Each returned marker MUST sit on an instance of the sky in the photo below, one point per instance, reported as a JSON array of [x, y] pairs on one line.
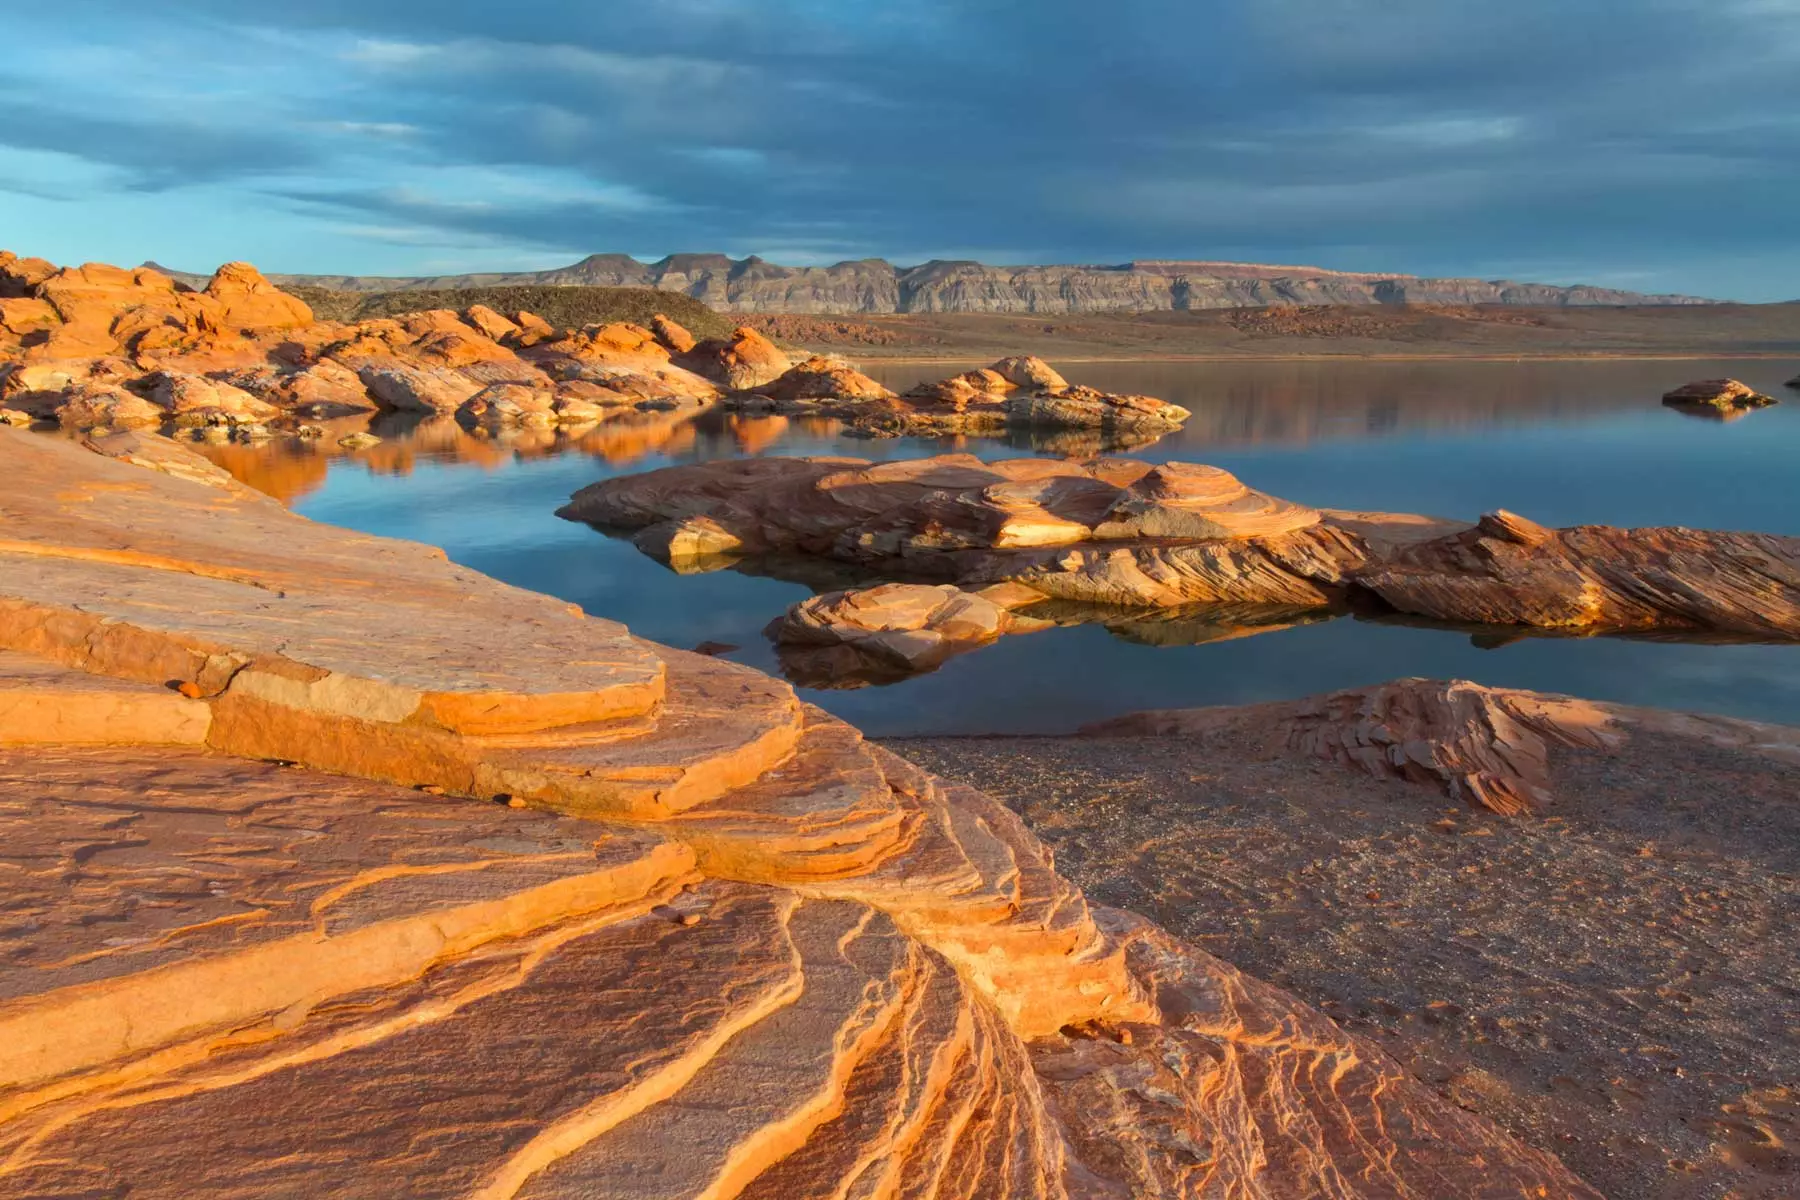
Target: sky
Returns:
[[1652, 145]]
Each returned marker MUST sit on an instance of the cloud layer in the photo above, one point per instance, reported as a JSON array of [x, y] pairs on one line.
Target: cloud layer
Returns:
[[1640, 143]]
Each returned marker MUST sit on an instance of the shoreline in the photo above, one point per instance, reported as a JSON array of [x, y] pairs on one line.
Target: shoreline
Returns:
[[1735, 356]]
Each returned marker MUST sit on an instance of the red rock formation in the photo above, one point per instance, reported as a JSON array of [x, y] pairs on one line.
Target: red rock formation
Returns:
[[673, 335], [1116, 531], [820, 378], [770, 960], [103, 324], [743, 361]]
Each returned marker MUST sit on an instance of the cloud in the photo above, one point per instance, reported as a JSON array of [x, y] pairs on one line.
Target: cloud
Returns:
[[1641, 138]]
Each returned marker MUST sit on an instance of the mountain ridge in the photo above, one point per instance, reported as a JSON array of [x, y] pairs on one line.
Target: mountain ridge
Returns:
[[873, 285]]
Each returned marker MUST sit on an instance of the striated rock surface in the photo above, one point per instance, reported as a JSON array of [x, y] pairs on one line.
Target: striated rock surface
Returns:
[[1486, 746], [1604, 978], [1124, 532], [873, 285], [711, 944]]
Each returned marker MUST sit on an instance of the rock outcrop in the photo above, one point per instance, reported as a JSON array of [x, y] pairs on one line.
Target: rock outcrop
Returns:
[[871, 285], [279, 939], [982, 401], [741, 362], [892, 631], [243, 353], [1124, 532], [1724, 398]]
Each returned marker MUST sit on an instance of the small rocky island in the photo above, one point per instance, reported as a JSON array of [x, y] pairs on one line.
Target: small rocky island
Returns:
[[1722, 399]]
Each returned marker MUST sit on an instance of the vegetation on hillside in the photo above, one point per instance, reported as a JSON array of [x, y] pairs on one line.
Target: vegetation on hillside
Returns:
[[563, 307]]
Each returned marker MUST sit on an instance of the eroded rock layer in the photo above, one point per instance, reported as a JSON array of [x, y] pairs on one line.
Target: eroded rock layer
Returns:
[[711, 943], [1123, 532]]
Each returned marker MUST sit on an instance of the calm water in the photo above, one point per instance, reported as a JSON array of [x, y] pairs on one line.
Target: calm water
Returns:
[[1561, 443]]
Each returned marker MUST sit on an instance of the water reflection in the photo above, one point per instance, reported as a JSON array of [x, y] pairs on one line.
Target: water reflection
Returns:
[[1566, 443]]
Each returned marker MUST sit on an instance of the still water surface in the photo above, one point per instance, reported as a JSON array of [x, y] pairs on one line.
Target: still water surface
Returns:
[[1563, 443]]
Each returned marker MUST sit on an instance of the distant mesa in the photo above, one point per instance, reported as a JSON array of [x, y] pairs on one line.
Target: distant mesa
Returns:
[[873, 285]]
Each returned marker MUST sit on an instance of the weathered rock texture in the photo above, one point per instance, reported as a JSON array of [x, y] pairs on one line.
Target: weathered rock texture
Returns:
[[312, 957], [1607, 978], [97, 346], [982, 401], [1124, 532], [871, 285], [1486, 746]]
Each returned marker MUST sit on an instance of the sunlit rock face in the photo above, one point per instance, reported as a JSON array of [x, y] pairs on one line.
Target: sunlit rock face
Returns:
[[1723, 399], [349, 871], [242, 352], [1018, 391], [1129, 533]]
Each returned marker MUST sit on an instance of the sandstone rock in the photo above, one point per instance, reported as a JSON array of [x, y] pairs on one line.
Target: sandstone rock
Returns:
[[325, 388], [1723, 395], [251, 302], [101, 405], [1029, 371], [490, 323], [178, 392], [1084, 406], [744, 361], [771, 961], [887, 632], [360, 440], [533, 329], [14, 416], [672, 334], [1124, 533], [820, 378], [418, 389], [507, 404]]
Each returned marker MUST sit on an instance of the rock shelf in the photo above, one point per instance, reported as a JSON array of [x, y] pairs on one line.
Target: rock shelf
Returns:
[[1125, 533], [709, 942]]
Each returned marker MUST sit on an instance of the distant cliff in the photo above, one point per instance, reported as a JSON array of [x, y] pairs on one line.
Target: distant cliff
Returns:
[[872, 285]]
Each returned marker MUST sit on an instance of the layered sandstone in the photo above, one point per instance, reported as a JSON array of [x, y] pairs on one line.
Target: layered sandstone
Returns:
[[711, 943], [1127, 533]]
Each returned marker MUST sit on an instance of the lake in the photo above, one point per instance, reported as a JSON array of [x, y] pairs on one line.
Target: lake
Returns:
[[1562, 443]]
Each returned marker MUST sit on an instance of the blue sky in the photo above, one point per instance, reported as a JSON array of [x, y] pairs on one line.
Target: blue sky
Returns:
[[1645, 144]]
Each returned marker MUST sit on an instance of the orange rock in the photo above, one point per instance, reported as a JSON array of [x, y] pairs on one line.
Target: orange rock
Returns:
[[741, 362], [490, 323], [1184, 534], [251, 302], [672, 334], [820, 378], [770, 961]]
